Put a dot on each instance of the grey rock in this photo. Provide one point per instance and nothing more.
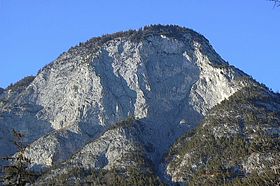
(168, 79)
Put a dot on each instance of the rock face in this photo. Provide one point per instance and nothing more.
(119, 148)
(238, 139)
(167, 77)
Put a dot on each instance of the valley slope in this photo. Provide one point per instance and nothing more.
(116, 104)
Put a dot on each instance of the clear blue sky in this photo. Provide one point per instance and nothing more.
(34, 32)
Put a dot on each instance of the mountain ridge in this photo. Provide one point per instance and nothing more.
(166, 77)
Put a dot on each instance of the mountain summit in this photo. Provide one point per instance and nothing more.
(141, 107)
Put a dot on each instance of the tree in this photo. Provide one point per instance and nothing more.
(17, 173)
(276, 3)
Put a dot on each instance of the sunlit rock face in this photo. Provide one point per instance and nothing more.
(167, 77)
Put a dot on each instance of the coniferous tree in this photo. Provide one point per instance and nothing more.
(276, 2)
(17, 173)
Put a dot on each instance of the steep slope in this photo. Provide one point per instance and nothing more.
(167, 76)
(20, 116)
(237, 144)
(116, 157)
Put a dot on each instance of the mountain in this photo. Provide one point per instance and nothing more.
(238, 142)
(133, 107)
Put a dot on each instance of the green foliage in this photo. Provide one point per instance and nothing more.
(17, 172)
(233, 131)
(126, 123)
(276, 3)
(268, 178)
(172, 31)
(86, 50)
(138, 170)
(20, 85)
(112, 177)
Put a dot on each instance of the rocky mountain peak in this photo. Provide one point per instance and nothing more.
(168, 76)
(165, 77)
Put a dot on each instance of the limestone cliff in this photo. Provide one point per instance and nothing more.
(166, 77)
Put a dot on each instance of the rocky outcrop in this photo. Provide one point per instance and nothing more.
(120, 147)
(238, 142)
(167, 77)
(170, 83)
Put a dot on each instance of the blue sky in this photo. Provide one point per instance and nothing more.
(35, 32)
